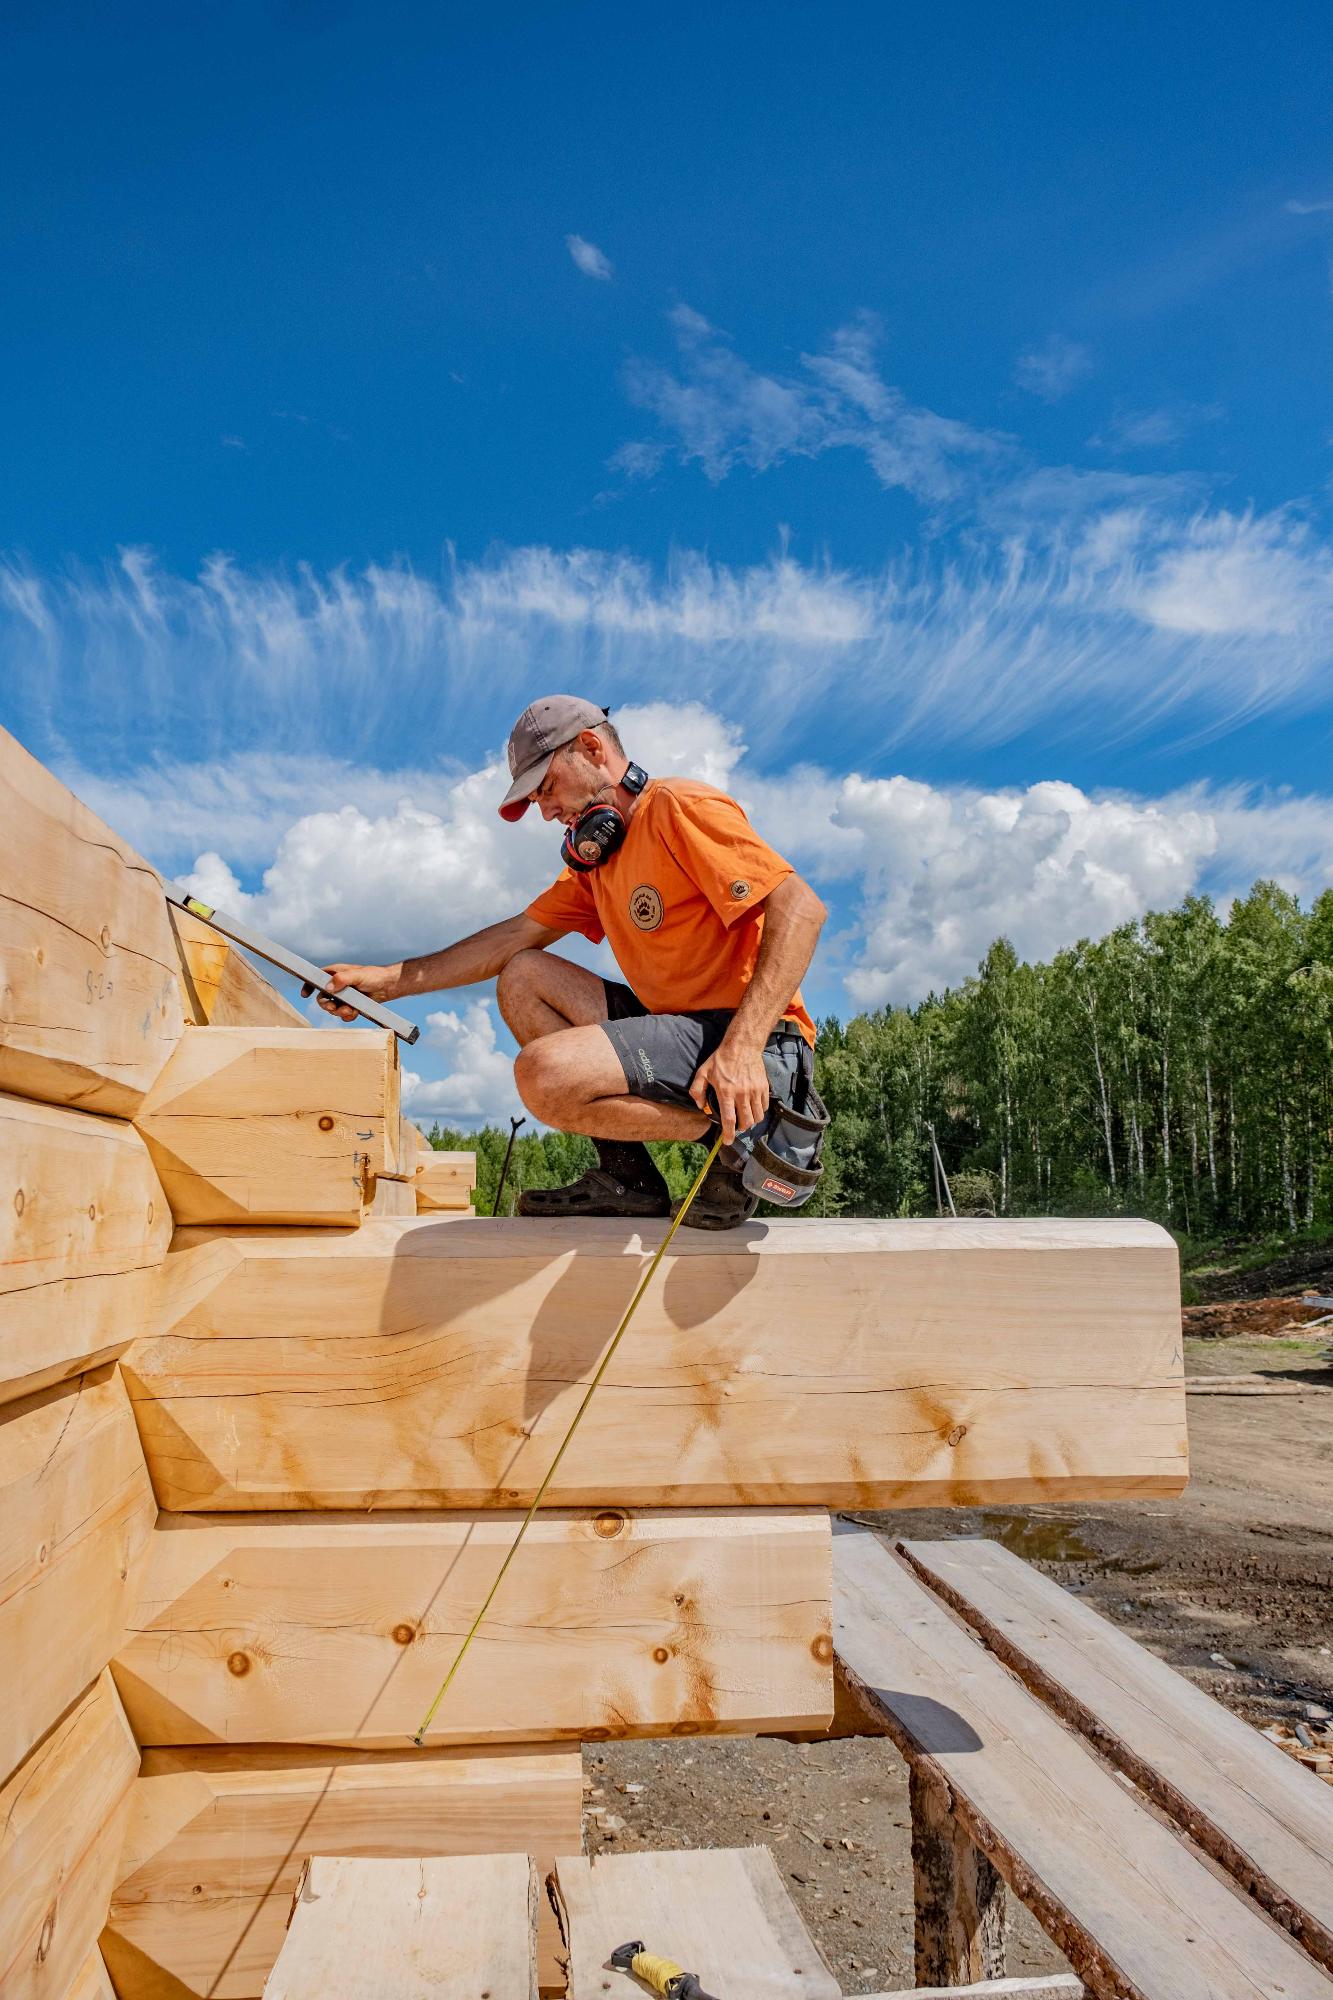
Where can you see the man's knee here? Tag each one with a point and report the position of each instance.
(519, 977)
(535, 1076)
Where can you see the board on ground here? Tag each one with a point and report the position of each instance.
(411, 1930)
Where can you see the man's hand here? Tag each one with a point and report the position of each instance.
(739, 1081)
(377, 982)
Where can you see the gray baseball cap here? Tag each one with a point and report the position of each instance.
(534, 740)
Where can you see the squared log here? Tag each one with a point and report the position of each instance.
(222, 989)
(870, 1364)
(90, 1005)
(333, 1629)
(273, 1125)
(445, 1180)
(216, 1840)
(84, 1229)
(62, 1818)
(76, 1513)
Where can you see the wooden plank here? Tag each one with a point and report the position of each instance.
(445, 1180)
(883, 1364)
(411, 1930)
(84, 1228)
(76, 1513)
(333, 1629)
(1134, 1908)
(723, 1914)
(92, 1980)
(90, 1004)
(62, 1815)
(1239, 1797)
(273, 1125)
(216, 1839)
(1060, 1986)
(220, 985)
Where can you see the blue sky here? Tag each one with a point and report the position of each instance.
(920, 421)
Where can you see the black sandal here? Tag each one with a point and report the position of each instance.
(596, 1193)
(723, 1202)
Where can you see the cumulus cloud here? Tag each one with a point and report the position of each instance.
(591, 261)
(1053, 369)
(477, 1086)
(718, 410)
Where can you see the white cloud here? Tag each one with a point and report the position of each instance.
(1308, 207)
(1094, 602)
(1238, 575)
(1152, 430)
(1053, 369)
(721, 412)
(478, 1081)
(591, 261)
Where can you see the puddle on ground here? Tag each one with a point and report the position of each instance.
(1056, 1541)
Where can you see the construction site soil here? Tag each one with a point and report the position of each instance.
(1232, 1584)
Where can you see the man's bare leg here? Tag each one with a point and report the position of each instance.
(539, 993)
(568, 1076)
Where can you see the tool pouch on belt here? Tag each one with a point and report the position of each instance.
(782, 1153)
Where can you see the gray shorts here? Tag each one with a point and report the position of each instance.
(660, 1053)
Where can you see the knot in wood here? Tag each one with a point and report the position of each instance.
(956, 1435)
(404, 1634)
(18, 1201)
(238, 1663)
(609, 1523)
(821, 1648)
(661, 1655)
(326, 1123)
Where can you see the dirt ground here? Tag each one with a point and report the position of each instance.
(1232, 1584)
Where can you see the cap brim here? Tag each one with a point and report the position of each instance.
(519, 796)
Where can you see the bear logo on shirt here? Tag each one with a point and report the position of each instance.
(645, 907)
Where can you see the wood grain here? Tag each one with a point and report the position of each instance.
(336, 1629)
(90, 1005)
(76, 1513)
(721, 1913)
(412, 1930)
(92, 1980)
(882, 1364)
(273, 1125)
(1136, 1911)
(220, 985)
(1252, 1808)
(84, 1229)
(216, 1839)
(62, 1816)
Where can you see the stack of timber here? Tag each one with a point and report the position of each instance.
(445, 1183)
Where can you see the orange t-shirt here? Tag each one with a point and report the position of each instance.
(681, 901)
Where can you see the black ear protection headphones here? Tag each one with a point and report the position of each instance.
(599, 829)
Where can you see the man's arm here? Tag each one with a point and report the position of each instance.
(793, 919)
(466, 963)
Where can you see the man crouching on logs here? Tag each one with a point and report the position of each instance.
(713, 931)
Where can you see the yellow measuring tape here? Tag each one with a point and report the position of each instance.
(602, 1367)
(655, 1972)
